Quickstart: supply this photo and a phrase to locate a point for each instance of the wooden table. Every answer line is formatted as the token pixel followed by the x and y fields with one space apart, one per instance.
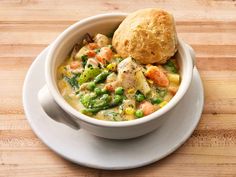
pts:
pixel 28 26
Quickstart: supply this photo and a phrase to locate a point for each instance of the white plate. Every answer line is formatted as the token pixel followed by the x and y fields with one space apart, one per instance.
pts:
pixel 88 150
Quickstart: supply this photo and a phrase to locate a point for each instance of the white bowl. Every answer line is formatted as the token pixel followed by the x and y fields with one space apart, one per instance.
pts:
pixel 58 109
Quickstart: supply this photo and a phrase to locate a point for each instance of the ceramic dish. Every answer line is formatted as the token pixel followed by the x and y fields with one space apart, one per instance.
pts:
pixel 85 149
pixel 57 108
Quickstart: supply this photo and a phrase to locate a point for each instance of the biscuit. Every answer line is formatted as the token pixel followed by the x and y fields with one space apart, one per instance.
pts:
pixel 148 35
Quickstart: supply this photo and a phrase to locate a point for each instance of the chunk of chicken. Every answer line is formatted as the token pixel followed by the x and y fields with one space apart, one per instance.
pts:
pixel 91 63
pixel 102 40
pixel 131 76
pixel 126 73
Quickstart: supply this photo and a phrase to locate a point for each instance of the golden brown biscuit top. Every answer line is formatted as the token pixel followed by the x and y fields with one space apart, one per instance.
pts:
pixel 148 35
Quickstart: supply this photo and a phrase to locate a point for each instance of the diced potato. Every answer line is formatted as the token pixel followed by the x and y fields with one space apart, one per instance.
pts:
pixel 174 78
pixel 173 89
pixel 168 97
pixel 102 40
pixel 141 83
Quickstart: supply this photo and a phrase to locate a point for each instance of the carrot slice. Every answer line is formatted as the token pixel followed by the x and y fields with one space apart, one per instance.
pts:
pixel 100 59
pixel 147 107
pixel 74 64
pixel 158 76
pixel 91 53
pixel 92 46
pixel 109 87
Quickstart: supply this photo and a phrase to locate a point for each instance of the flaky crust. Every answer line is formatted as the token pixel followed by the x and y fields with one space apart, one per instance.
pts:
pixel 147 35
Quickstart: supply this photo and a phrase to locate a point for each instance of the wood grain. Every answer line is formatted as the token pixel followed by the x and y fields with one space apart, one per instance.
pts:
pixel 28 26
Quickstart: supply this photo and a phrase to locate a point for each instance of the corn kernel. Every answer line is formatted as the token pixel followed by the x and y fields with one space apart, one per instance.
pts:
pixel 129 111
pixel 163 103
pixel 61 69
pixel 68 73
pixel 131 91
pixel 111 66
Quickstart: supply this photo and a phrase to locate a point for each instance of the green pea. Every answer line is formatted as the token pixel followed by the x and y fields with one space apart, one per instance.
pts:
pixel 98 91
pixel 156 100
pixel 117 99
pixel 139 97
pixel 119 91
pixel 104 91
pixel 139 113
pixel 91 86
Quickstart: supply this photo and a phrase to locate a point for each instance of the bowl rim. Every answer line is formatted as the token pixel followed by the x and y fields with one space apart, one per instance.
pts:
pixel 81 117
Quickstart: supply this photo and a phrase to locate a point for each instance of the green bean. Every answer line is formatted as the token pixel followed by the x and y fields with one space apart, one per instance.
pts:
pixel 88 74
pixel 92 111
pixel 101 77
pixel 106 97
pixel 86 99
pixel 98 103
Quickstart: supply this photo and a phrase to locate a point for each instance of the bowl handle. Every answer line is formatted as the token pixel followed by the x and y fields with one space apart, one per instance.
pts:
pixel 192 53
pixel 53 110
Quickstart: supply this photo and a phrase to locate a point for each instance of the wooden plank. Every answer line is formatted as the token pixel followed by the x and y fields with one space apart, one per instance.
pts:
pixel 32 50
pixel 47 37
pixel 13 122
pixel 19 51
pixel 205 151
pixel 213 131
pixel 203 10
pixel 28 26
pixel 216 63
pixel 182 26
pixel 214 50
